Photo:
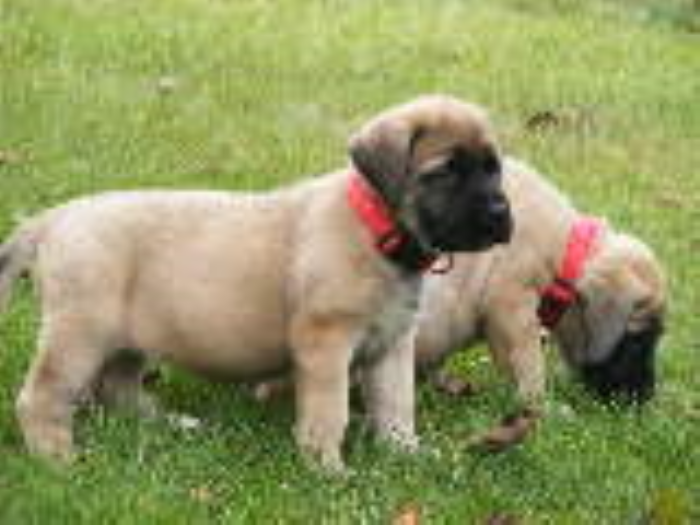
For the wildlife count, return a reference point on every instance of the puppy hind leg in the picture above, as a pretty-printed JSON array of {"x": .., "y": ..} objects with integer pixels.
[
  {"x": 450, "y": 383},
  {"x": 59, "y": 378},
  {"x": 120, "y": 384},
  {"x": 432, "y": 353},
  {"x": 514, "y": 341}
]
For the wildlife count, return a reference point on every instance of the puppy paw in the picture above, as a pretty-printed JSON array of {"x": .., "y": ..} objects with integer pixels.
[
  {"x": 327, "y": 461},
  {"x": 53, "y": 444},
  {"x": 453, "y": 385},
  {"x": 512, "y": 431},
  {"x": 399, "y": 437},
  {"x": 319, "y": 449}
]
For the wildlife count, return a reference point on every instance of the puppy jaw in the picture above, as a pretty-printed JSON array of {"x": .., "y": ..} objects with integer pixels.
[{"x": 397, "y": 149}]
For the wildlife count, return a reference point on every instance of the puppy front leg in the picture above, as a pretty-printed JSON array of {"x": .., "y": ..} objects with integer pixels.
[
  {"x": 514, "y": 340},
  {"x": 322, "y": 352},
  {"x": 529, "y": 374},
  {"x": 389, "y": 385},
  {"x": 523, "y": 360}
]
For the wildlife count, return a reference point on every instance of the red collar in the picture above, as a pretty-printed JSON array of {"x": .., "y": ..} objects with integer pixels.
[
  {"x": 558, "y": 297},
  {"x": 390, "y": 239}
]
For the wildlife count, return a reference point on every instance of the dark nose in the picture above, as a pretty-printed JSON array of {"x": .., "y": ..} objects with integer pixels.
[{"x": 500, "y": 218}]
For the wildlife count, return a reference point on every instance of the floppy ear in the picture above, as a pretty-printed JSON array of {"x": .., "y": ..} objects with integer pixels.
[
  {"x": 615, "y": 296},
  {"x": 382, "y": 152},
  {"x": 607, "y": 314}
]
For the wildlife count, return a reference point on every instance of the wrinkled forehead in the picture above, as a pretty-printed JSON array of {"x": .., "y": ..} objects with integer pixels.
[
  {"x": 438, "y": 147},
  {"x": 443, "y": 127}
]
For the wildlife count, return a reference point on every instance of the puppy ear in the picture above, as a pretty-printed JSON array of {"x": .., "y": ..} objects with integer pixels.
[
  {"x": 619, "y": 294},
  {"x": 382, "y": 151},
  {"x": 607, "y": 310}
]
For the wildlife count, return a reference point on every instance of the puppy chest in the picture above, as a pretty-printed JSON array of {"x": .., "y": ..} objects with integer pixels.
[{"x": 393, "y": 319}]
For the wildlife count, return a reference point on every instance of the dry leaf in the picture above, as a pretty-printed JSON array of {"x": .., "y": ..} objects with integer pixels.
[
  {"x": 166, "y": 84},
  {"x": 575, "y": 118},
  {"x": 669, "y": 507},
  {"x": 201, "y": 494},
  {"x": 9, "y": 157},
  {"x": 510, "y": 432},
  {"x": 502, "y": 519},
  {"x": 409, "y": 515}
]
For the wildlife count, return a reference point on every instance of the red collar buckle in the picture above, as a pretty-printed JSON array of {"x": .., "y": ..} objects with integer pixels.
[
  {"x": 555, "y": 300},
  {"x": 389, "y": 242}
]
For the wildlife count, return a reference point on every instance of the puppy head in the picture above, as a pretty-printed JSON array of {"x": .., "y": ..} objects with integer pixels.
[
  {"x": 611, "y": 337},
  {"x": 436, "y": 164}
]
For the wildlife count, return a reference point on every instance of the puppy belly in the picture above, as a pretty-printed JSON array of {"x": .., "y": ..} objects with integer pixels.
[
  {"x": 216, "y": 344},
  {"x": 232, "y": 363}
]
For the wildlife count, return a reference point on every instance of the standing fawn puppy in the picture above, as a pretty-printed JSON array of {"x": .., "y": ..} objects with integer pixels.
[{"x": 315, "y": 278}]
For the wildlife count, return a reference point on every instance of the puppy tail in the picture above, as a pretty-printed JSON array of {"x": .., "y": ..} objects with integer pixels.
[{"x": 17, "y": 255}]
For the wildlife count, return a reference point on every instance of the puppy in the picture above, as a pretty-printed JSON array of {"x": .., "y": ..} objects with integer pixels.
[
  {"x": 223, "y": 283},
  {"x": 600, "y": 293}
]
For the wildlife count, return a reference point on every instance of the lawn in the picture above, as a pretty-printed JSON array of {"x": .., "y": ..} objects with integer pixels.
[{"x": 105, "y": 94}]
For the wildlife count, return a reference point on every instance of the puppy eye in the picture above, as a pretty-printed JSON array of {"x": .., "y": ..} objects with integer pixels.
[
  {"x": 649, "y": 325},
  {"x": 646, "y": 315},
  {"x": 439, "y": 176},
  {"x": 492, "y": 163},
  {"x": 643, "y": 306},
  {"x": 640, "y": 304}
]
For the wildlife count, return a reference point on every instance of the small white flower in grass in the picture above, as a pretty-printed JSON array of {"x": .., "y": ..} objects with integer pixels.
[
  {"x": 564, "y": 411},
  {"x": 184, "y": 422},
  {"x": 166, "y": 84},
  {"x": 202, "y": 494},
  {"x": 10, "y": 157}
]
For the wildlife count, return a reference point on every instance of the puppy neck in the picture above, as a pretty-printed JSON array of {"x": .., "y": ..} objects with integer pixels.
[
  {"x": 391, "y": 239},
  {"x": 557, "y": 297}
]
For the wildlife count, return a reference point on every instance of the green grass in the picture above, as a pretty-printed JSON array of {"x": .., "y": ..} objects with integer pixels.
[{"x": 102, "y": 94}]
